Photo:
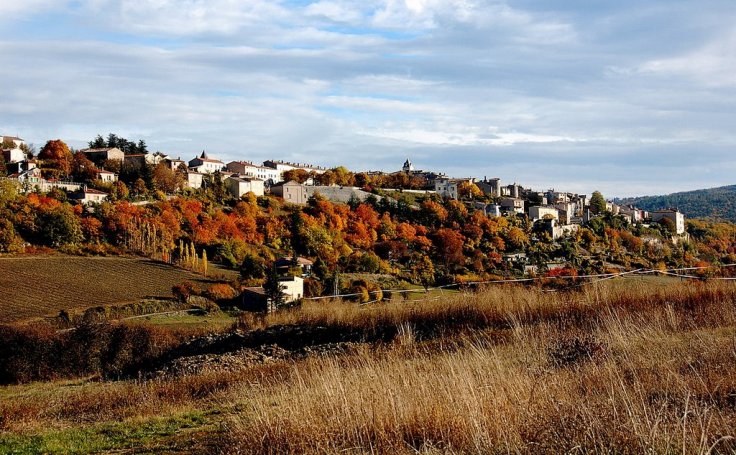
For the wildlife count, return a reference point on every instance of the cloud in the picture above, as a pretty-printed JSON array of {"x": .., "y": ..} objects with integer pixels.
[
  {"x": 581, "y": 96},
  {"x": 713, "y": 65},
  {"x": 13, "y": 9}
]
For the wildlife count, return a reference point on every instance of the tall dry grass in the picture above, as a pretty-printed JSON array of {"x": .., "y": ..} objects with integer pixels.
[
  {"x": 504, "y": 307},
  {"x": 609, "y": 370},
  {"x": 616, "y": 369}
]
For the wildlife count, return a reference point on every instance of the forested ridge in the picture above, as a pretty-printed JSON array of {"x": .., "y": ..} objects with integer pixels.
[{"x": 716, "y": 203}]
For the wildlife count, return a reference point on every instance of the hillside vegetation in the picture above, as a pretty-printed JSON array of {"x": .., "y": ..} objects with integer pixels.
[
  {"x": 611, "y": 368},
  {"x": 717, "y": 203}
]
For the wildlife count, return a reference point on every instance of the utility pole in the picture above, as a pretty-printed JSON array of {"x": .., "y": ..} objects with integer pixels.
[{"x": 336, "y": 284}]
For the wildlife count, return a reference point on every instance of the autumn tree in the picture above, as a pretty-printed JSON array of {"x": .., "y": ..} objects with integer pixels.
[
  {"x": 139, "y": 188},
  {"x": 468, "y": 190},
  {"x": 517, "y": 238},
  {"x": 421, "y": 270},
  {"x": 83, "y": 169},
  {"x": 449, "y": 244},
  {"x": 56, "y": 159},
  {"x": 120, "y": 190},
  {"x": 433, "y": 213},
  {"x": 9, "y": 240},
  {"x": 297, "y": 175},
  {"x": 166, "y": 180},
  {"x": 343, "y": 176}
]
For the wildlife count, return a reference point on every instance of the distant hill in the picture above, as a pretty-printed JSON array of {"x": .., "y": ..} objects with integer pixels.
[{"x": 717, "y": 203}]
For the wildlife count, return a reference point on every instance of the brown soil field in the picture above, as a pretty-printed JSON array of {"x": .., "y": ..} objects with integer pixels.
[{"x": 38, "y": 286}]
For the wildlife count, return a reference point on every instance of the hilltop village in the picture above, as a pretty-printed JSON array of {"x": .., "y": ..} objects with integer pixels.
[
  {"x": 96, "y": 170},
  {"x": 418, "y": 227}
]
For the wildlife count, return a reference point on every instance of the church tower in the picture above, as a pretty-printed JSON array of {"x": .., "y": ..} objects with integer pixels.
[{"x": 408, "y": 167}]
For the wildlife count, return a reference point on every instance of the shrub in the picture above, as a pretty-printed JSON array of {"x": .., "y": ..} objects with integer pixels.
[
  {"x": 220, "y": 291},
  {"x": 184, "y": 290},
  {"x": 38, "y": 353},
  {"x": 312, "y": 288}
]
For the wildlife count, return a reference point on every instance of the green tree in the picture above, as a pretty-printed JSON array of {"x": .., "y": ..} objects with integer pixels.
[
  {"x": 251, "y": 267},
  {"x": 58, "y": 226},
  {"x": 97, "y": 143},
  {"x": 597, "y": 203}
]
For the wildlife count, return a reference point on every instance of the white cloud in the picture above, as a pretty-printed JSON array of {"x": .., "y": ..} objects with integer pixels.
[
  {"x": 334, "y": 11},
  {"x": 187, "y": 17},
  {"x": 712, "y": 65},
  {"x": 469, "y": 87},
  {"x": 462, "y": 136},
  {"x": 14, "y": 8}
]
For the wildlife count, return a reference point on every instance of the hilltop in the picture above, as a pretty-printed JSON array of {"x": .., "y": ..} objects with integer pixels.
[{"x": 716, "y": 203}]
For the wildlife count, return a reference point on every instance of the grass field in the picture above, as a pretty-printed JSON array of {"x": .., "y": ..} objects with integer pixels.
[
  {"x": 37, "y": 286},
  {"x": 624, "y": 367}
]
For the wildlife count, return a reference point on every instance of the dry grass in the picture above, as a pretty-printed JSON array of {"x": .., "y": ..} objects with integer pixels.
[
  {"x": 609, "y": 369},
  {"x": 504, "y": 307},
  {"x": 640, "y": 374},
  {"x": 37, "y": 286}
]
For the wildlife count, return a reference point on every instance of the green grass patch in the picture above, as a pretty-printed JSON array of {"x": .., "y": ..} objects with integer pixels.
[{"x": 161, "y": 434}]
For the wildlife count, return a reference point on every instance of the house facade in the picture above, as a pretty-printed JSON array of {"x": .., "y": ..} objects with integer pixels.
[
  {"x": 291, "y": 192},
  {"x": 238, "y": 186},
  {"x": 194, "y": 179},
  {"x": 100, "y": 155},
  {"x": 446, "y": 188},
  {"x": 11, "y": 149},
  {"x": 205, "y": 164},
  {"x": 538, "y": 212},
  {"x": 283, "y": 166},
  {"x": 269, "y": 175},
  {"x": 673, "y": 215},
  {"x": 511, "y": 204},
  {"x": 106, "y": 176},
  {"x": 87, "y": 196}
]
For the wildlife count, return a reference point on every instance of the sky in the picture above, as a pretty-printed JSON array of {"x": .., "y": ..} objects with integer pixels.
[{"x": 626, "y": 97}]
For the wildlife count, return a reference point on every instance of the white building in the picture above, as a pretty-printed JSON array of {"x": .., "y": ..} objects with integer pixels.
[
  {"x": 194, "y": 179},
  {"x": 634, "y": 214},
  {"x": 537, "y": 213},
  {"x": 175, "y": 163},
  {"x": 293, "y": 288},
  {"x": 90, "y": 196},
  {"x": 446, "y": 188},
  {"x": 106, "y": 176},
  {"x": 10, "y": 145},
  {"x": 269, "y": 175},
  {"x": 238, "y": 186},
  {"x": 282, "y": 166},
  {"x": 206, "y": 165},
  {"x": 511, "y": 204},
  {"x": 673, "y": 215}
]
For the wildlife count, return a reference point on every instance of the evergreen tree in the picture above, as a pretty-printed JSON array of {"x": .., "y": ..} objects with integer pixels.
[
  {"x": 273, "y": 289},
  {"x": 112, "y": 140},
  {"x": 97, "y": 143}
]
